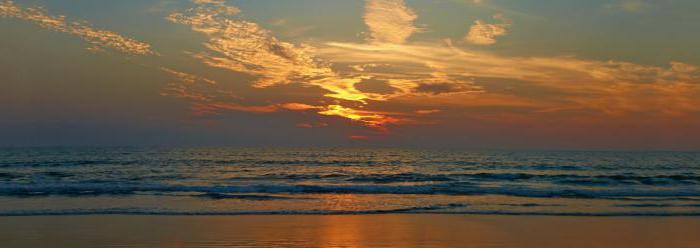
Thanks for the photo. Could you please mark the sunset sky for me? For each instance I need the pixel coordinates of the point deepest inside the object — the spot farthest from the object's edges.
(516, 74)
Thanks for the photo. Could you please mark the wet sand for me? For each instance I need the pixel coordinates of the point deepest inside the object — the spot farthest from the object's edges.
(396, 230)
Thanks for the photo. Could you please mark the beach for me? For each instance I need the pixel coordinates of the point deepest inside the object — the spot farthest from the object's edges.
(390, 230)
(227, 197)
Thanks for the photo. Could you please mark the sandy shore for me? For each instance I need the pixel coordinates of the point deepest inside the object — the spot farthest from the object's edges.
(349, 231)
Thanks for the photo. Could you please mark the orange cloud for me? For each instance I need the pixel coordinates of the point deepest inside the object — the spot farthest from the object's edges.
(243, 46)
(482, 33)
(98, 39)
(298, 106)
(358, 137)
(389, 20)
(189, 86)
(246, 47)
(422, 75)
(368, 118)
(187, 78)
(633, 6)
(427, 111)
(310, 125)
(215, 107)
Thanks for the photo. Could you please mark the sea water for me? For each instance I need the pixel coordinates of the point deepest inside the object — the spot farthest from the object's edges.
(237, 181)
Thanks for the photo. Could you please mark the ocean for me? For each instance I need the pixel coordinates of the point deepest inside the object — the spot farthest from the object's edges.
(269, 181)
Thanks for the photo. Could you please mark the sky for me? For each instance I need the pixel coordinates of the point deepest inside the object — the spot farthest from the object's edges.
(480, 74)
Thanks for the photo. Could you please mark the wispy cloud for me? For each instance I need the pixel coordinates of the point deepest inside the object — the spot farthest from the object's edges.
(633, 6)
(187, 78)
(389, 20)
(422, 75)
(98, 39)
(607, 87)
(370, 118)
(246, 47)
(482, 33)
(188, 86)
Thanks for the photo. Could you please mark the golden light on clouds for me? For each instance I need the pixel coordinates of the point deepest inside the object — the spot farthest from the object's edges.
(98, 39)
(482, 33)
(368, 118)
(428, 72)
(389, 21)
(387, 78)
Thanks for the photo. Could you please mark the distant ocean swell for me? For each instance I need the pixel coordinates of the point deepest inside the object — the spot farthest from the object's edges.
(238, 181)
(85, 189)
(417, 210)
(688, 178)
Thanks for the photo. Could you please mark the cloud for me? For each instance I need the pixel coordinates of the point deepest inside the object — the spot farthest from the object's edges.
(299, 106)
(374, 119)
(428, 111)
(605, 87)
(312, 125)
(482, 33)
(633, 6)
(305, 125)
(442, 88)
(216, 107)
(207, 99)
(358, 137)
(369, 118)
(389, 21)
(246, 47)
(423, 75)
(187, 78)
(436, 61)
(400, 67)
(98, 39)
(192, 87)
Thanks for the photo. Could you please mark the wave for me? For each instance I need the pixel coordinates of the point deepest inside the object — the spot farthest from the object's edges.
(655, 199)
(403, 177)
(576, 179)
(52, 162)
(57, 174)
(566, 179)
(435, 209)
(450, 188)
(647, 205)
(5, 175)
(250, 197)
(66, 163)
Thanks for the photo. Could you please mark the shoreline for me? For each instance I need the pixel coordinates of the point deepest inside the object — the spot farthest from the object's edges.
(596, 215)
(379, 230)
